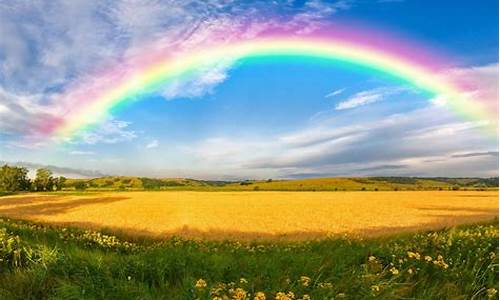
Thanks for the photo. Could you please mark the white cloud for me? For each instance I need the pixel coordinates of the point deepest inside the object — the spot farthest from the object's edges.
(334, 93)
(22, 113)
(203, 83)
(439, 101)
(314, 12)
(50, 47)
(368, 97)
(109, 132)
(481, 82)
(152, 144)
(78, 152)
(360, 99)
(395, 145)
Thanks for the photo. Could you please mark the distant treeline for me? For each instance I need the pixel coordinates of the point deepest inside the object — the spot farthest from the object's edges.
(312, 184)
(462, 182)
(13, 179)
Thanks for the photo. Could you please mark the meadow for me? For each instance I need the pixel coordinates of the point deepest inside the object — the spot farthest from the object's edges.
(45, 262)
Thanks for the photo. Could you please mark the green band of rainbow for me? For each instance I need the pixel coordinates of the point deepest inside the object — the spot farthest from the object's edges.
(151, 76)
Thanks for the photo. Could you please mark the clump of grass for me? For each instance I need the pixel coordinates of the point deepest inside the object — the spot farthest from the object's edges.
(70, 263)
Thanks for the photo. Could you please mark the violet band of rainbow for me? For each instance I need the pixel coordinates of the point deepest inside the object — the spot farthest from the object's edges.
(146, 77)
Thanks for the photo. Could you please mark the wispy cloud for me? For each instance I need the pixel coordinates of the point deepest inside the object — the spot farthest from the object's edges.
(49, 47)
(110, 132)
(334, 93)
(79, 152)
(384, 168)
(152, 144)
(360, 99)
(203, 83)
(397, 144)
(475, 154)
(368, 97)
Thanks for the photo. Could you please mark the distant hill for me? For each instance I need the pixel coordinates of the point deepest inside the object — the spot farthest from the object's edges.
(312, 184)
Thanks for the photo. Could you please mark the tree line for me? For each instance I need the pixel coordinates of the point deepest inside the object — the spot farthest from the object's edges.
(13, 179)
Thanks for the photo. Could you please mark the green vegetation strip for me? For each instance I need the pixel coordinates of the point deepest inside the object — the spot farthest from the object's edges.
(15, 179)
(44, 262)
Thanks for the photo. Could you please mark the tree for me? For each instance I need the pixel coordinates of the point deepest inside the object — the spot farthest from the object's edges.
(59, 182)
(80, 185)
(14, 179)
(44, 180)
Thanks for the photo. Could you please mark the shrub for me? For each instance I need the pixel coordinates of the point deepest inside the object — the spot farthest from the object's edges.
(80, 185)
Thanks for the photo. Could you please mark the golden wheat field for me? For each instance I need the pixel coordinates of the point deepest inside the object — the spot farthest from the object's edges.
(296, 215)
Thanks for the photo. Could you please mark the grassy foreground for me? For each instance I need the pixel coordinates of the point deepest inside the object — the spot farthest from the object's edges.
(43, 262)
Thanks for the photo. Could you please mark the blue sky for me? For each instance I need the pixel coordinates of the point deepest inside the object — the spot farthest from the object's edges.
(286, 118)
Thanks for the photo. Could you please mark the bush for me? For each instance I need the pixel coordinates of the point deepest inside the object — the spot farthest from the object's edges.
(80, 185)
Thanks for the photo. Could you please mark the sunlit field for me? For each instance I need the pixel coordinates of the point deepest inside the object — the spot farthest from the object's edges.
(254, 215)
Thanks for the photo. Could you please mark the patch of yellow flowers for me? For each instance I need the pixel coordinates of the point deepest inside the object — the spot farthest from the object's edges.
(231, 291)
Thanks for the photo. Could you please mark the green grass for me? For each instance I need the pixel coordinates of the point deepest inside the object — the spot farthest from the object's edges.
(43, 262)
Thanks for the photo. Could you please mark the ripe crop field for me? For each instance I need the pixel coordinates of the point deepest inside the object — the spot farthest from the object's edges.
(254, 215)
(112, 260)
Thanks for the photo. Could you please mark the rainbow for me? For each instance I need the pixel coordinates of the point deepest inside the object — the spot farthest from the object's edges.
(151, 71)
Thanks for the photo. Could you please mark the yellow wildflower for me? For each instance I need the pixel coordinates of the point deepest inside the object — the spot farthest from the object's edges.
(394, 271)
(305, 281)
(372, 259)
(491, 292)
(428, 258)
(325, 285)
(415, 255)
(306, 297)
(283, 296)
(239, 294)
(200, 284)
(260, 296)
(375, 288)
(243, 281)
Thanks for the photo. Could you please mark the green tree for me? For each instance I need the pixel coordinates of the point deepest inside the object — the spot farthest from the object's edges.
(14, 179)
(59, 182)
(44, 180)
(80, 185)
